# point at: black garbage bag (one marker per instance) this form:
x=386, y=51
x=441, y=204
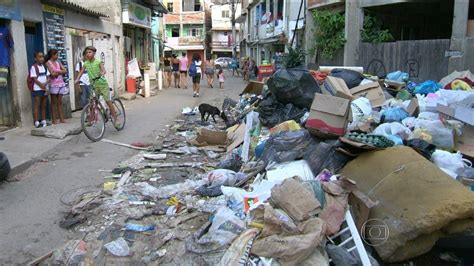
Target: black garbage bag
x=4, y=167
x=272, y=112
x=351, y=77
x=293, y=85
x=286, y=146
x=234, y=163
x=324, y=155
x=424, y=148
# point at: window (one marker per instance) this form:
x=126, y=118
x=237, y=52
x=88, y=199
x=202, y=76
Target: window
x=197, y=5
x=195, y=32
x=169, y=6
x=175, y=32
x=225, y=33
x=225, y=14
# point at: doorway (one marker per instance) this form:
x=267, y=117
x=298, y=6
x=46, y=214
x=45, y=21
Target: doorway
x=34, y=43
x=7, y=118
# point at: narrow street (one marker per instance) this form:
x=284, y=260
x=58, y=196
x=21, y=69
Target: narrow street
x=30, y=209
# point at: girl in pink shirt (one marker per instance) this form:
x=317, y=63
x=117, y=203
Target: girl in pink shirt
x=57, y=86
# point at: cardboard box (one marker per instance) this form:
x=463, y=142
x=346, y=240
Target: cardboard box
x=336, y=87
x=254, y=87
x=457, y=112
x=371, y=91
x=328, y=116
x=465, y=142
x=394, y=85
x=413, y=108
x=206, y=137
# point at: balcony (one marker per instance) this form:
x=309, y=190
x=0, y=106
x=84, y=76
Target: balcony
x=180, y=42
x=222, y=46
x=185, y=18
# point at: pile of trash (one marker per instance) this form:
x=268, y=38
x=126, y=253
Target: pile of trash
x=312, y=168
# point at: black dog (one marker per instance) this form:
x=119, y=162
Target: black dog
x=211, y=111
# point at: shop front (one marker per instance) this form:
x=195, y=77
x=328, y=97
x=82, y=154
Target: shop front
x=9, y=10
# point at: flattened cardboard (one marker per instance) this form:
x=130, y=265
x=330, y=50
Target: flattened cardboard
x=336, y=87
x=254, y=87
x=371, y=91
x=236, y=136
x=329, y=116
x=395, y=85
x=206, y=137
x=457, y=112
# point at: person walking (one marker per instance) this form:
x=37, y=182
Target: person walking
x=175, y=67
x=183, y=70
x=210, y=71
x=196, y=72
x=57, y=86
x=168, y=69
x=221, y=78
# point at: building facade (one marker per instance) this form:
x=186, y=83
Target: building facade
x=184, y=27
x=221, y=31
x=268, y=26
x=33, y=25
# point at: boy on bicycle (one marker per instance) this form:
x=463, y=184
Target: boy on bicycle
x=96, y=71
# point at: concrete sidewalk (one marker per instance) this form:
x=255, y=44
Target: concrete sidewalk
x=23, y=149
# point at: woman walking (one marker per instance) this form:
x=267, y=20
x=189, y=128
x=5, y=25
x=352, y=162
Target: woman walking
x=183, y=70
x=210, y=71
x=168, y=69
x=175, y=66
x=197, y=76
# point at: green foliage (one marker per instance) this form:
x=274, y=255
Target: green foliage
x=372, y=31
x=328, y=33
x=295, y=57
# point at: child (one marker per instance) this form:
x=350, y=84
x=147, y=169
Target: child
x=221, y=78
x=57, y=87
x=40, y=74
x=84, y=81
x=96, y=71
x=197, y=77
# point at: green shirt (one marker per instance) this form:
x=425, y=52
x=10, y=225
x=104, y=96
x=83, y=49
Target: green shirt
x=93, y=70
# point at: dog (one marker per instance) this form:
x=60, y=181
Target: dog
x=209, y=110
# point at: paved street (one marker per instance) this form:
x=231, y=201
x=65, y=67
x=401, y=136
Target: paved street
x=30, y=209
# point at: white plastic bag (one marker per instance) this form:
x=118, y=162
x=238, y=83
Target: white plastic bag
x=361, y=109
x=441, y=136
x=118, y=247
x=225, y=226
x=450, y=163
x=133, y=69
x=428, y=116
x=393, y=129
x=224, y=177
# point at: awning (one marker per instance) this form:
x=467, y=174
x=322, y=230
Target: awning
x=241, y=18
x=183, y=47
x=269, y=40
x=70, y=5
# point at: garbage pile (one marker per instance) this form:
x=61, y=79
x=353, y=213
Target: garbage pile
x=312, y=168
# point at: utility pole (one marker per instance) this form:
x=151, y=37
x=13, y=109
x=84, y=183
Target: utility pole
x=234, y=33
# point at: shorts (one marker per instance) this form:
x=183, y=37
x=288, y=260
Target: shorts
x=197, y=79
x=168, y=69
x=57, y=90
x=176, y=73
x=183, y=71
x=103, y=91
x=38, y=93
x=209, y=71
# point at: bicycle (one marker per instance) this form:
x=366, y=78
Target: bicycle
x=95, y=115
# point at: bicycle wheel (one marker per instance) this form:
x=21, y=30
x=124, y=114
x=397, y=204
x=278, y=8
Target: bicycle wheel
x=119, y=123
x=93, y=123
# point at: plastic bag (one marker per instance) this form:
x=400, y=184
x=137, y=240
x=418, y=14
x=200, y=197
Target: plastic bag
x=351, y=77
x=324, y=156
x=361, y=109
x=428, y=116
x=397, y=76
x=451, y=163
x=295, y=86
x=118, y=247
x=271, y=112
x=393, y=129
x=224, y=177
x=234, y=163
x=225, y=227
x=422, y=147
x=442, y=136
x=426, y=87
x=286, y=146
x=393, y=114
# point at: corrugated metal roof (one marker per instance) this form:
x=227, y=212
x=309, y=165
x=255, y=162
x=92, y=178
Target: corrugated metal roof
x=79, y=8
